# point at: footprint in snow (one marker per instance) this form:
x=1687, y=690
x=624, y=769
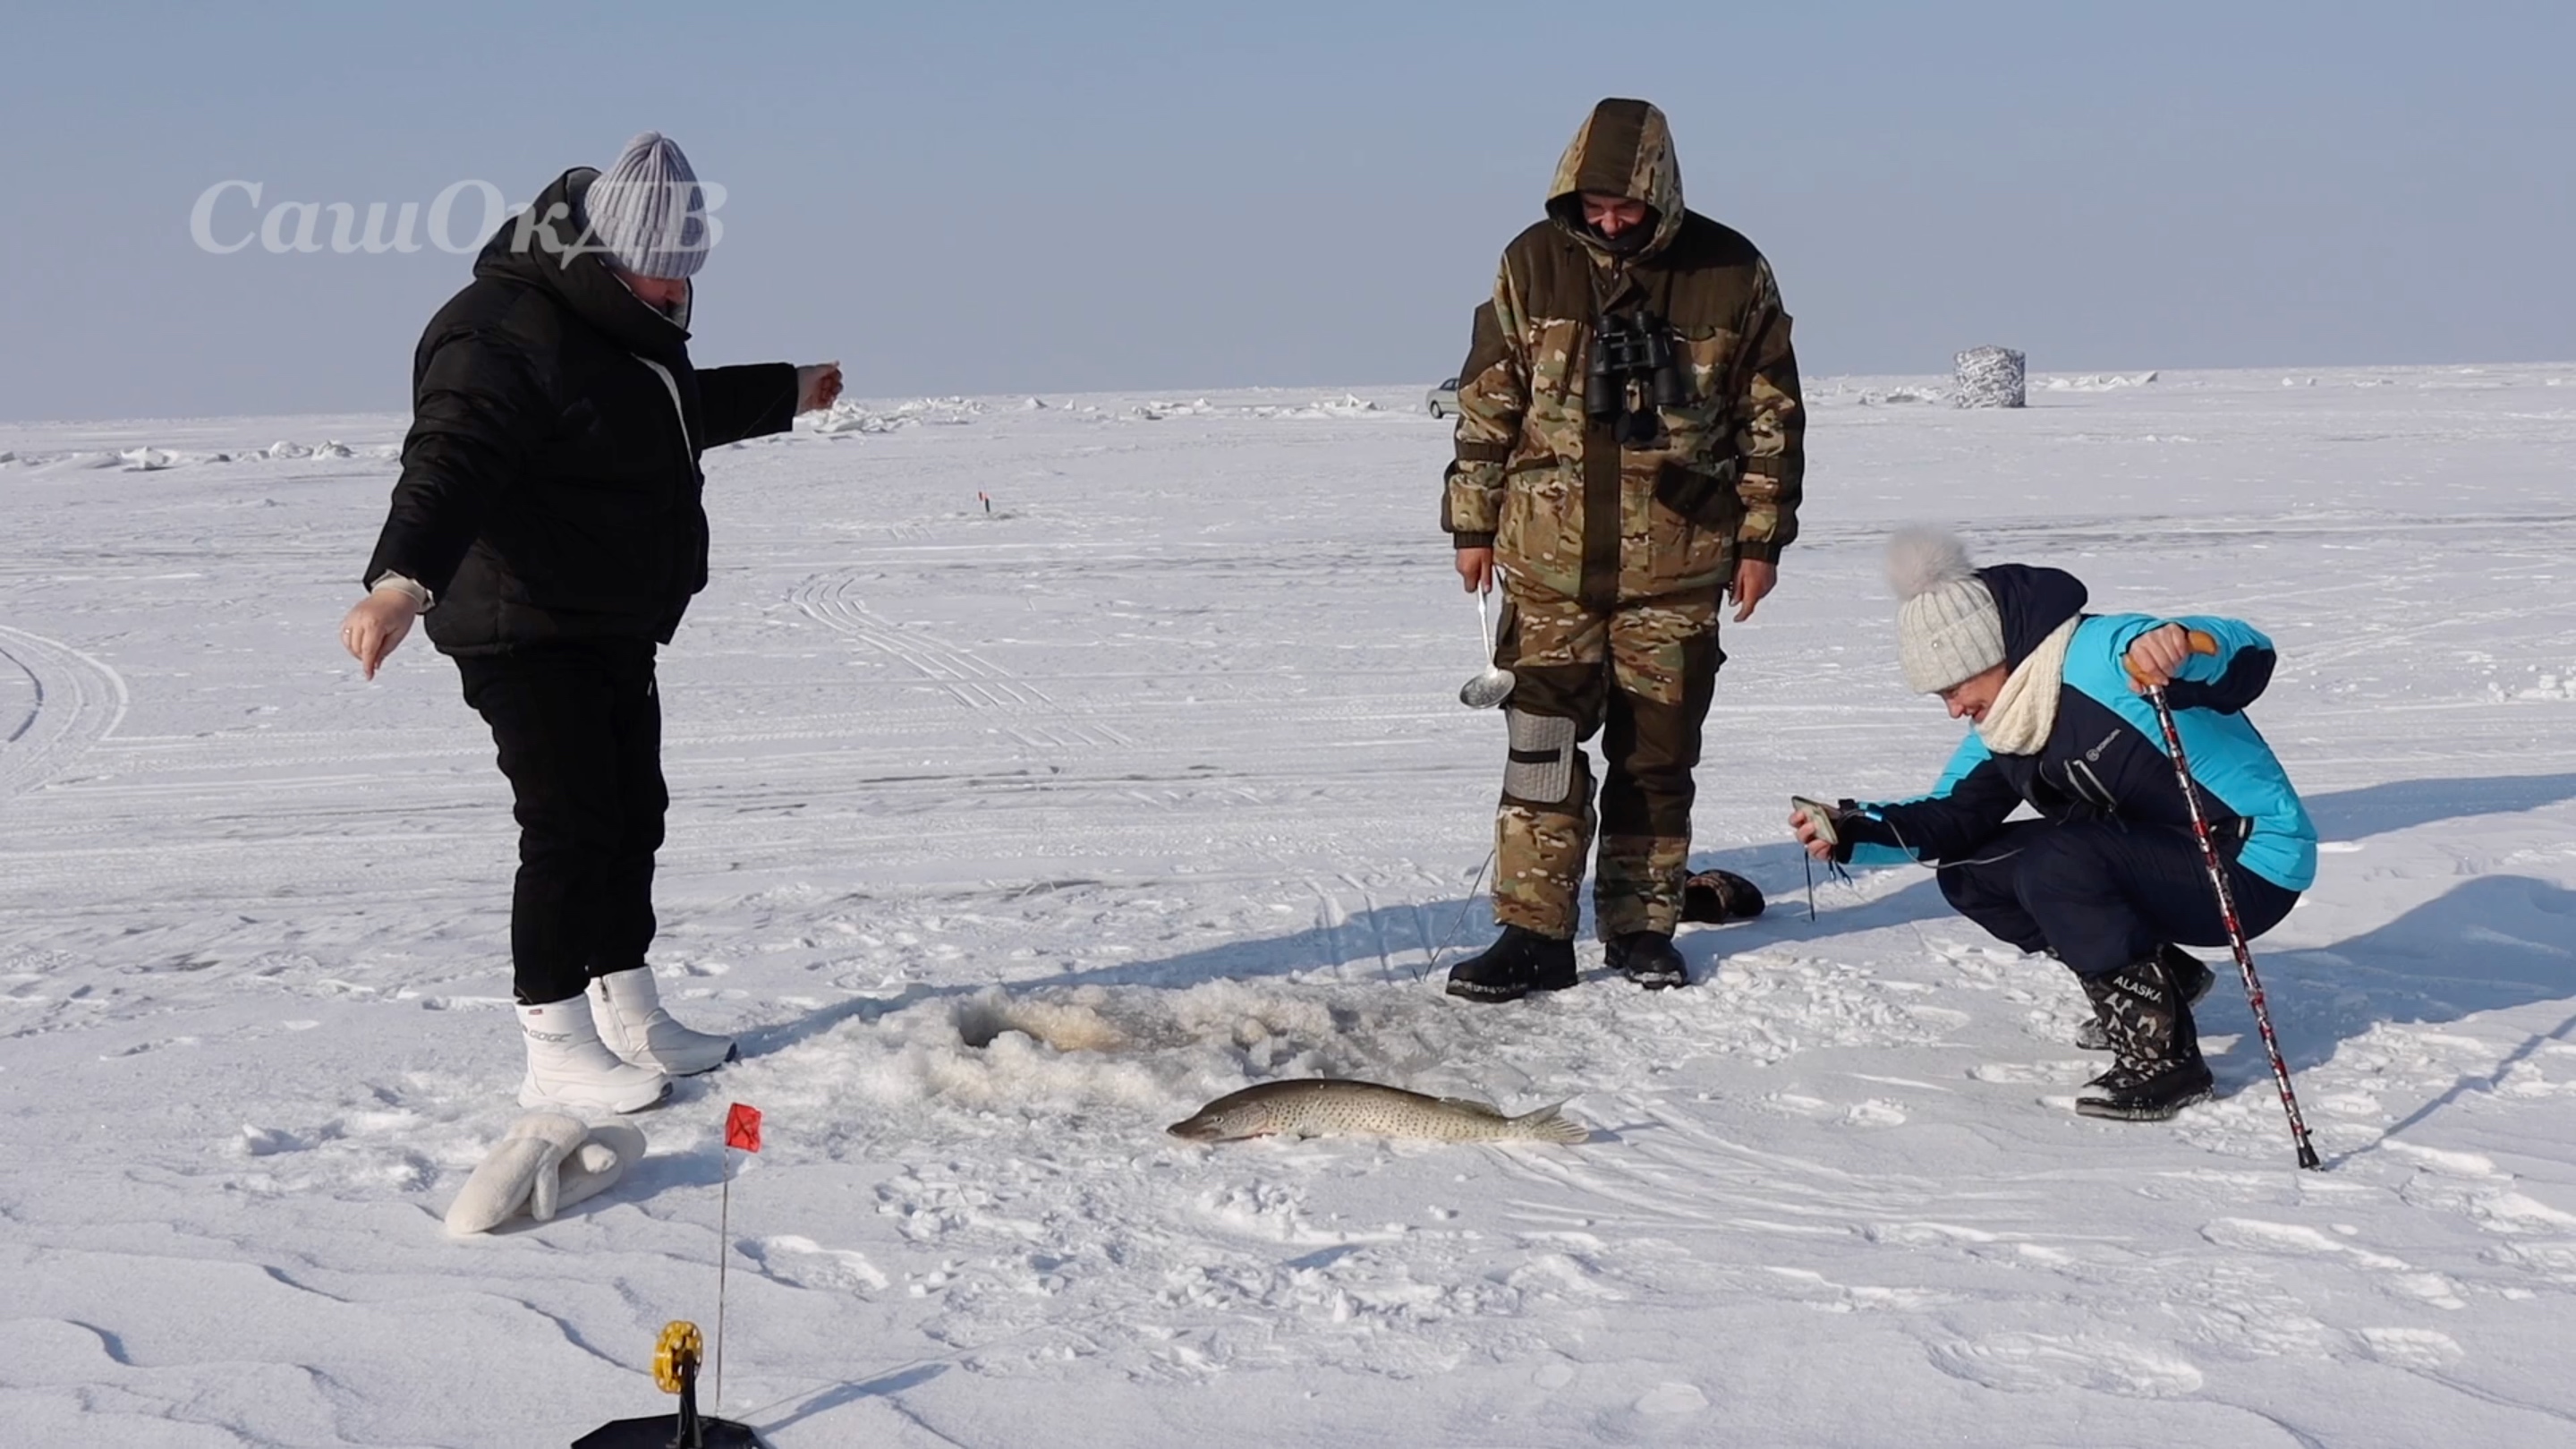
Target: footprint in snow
x=2414, y=1348
x=2447, y=1162
x=2032, y=1074
x=1672, y=1399
x=2296, y=1240
x=804, y=1263
x=2032, y=1363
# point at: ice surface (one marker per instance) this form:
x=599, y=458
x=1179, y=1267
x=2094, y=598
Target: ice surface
x=1004, y=838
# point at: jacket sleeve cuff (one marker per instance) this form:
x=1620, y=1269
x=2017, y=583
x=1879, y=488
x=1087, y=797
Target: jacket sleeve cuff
x=422, y=600
x=1471, y=540
x=1763, y=550
x=1856, y=824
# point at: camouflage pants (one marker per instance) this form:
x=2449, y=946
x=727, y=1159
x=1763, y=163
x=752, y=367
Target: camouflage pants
x=1641, y=675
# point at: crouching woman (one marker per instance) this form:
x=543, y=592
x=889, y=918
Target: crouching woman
x=2108, y=878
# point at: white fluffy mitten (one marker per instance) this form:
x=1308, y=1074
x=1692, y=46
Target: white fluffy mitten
x=547, y=1162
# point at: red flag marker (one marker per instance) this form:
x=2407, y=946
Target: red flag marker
x=742, y=1132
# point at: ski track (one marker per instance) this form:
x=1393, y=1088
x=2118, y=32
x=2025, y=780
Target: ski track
x=1004, y=839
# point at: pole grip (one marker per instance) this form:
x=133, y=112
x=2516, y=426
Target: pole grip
x=2197, y=641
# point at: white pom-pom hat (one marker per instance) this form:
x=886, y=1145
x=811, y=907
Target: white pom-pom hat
x=1948, y=629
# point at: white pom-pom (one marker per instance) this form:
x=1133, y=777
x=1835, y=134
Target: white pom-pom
x=1922, y=559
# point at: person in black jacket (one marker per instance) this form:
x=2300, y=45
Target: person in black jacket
x=548, y=526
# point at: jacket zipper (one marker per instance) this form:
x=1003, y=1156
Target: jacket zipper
x=680, y=567
x=671, y=385
x=2098, y=793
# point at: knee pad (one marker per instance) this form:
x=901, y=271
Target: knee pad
x=1542, y=759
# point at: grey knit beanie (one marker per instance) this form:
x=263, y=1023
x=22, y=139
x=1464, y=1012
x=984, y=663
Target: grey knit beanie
x=1948, y=629
x=647, y=211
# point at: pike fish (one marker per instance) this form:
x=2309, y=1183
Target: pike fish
x=1326, y=1107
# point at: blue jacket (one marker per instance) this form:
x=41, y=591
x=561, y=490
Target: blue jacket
x=2106, y=758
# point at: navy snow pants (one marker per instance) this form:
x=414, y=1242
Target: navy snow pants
x=2102, y=895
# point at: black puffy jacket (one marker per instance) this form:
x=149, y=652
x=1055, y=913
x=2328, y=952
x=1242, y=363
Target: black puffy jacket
x=550, y=487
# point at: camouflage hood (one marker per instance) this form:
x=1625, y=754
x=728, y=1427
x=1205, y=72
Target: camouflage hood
x=1625, y=148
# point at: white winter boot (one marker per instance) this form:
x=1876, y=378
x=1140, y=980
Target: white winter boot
x=571, y=1069
x=628, y=1007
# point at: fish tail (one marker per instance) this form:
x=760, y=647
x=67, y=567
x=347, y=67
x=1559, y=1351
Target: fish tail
x=1548, y=1124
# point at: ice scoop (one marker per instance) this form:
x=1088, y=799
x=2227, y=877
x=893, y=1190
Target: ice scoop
x=1492, y=687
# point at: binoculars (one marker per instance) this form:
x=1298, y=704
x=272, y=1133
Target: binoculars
x=1633, y=374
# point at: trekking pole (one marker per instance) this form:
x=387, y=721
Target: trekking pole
x=2227, y=913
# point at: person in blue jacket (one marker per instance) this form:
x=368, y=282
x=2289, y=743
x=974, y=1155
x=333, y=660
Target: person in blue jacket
x=2108, y=878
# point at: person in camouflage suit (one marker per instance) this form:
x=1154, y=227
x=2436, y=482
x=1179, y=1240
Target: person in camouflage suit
x=1629, y=447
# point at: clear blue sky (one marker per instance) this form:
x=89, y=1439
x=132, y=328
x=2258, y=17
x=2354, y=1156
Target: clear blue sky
x=963, y=197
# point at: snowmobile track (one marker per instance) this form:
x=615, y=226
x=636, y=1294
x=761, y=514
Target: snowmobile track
x=974, y=682
x=75, y=702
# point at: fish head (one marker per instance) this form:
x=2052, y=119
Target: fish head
x=1219, y=1122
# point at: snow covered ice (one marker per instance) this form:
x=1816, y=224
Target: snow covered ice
x=1003, y=839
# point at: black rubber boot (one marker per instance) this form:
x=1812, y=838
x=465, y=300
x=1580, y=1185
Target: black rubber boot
x=1647, y=958
x=2156, y=1068
x=2191, y=977
x=1519, y=962
x=1714, y=897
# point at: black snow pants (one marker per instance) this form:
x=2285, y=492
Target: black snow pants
x=579, y=727
x=2102, y=895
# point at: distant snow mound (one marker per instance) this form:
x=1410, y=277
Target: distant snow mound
x=328, y=448
x=1155, y=412
x=943, y=412
x=2097, y=382
x=1838, y=390
x=150, y=459
x=1348, y=405
x=2550, y=686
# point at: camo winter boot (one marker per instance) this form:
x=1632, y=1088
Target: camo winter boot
x=1647, y=958
x=1519, y=962
x=2190, y=976
x=2156, y=1068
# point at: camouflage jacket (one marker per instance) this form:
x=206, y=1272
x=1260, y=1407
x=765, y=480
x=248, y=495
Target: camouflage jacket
x=1567, y=508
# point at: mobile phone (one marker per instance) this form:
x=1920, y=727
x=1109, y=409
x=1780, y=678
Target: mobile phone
x=1820, y=815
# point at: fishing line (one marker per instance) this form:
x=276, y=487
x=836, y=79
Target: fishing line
x=1464, y=907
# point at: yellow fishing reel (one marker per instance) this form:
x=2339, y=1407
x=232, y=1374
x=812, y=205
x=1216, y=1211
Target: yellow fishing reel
x=677, y=1356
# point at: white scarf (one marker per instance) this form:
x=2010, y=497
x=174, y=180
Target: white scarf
x=2025, y=709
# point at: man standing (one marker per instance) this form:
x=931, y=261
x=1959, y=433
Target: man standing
x=548, y=523
x=2110, y=876
x=1629, y=446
